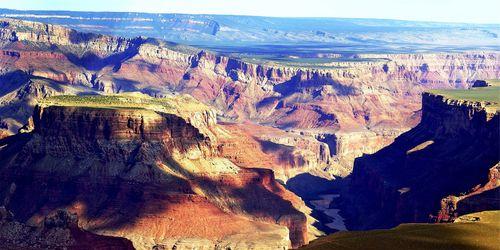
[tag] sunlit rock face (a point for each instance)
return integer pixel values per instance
(445, 167)
(157, 179)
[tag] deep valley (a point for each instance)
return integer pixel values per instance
(136, 142)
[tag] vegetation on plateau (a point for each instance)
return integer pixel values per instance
(172, 104)
(490, 95)
(474, 231)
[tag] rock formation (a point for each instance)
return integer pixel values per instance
(148, 170)
(287, 154)
(444, 167)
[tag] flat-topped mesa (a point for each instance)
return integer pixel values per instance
(180, 122)
(479, 102)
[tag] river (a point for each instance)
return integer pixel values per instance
(323, 205)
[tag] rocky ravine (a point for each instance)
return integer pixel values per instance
(349, 107)
(155, 178)
(444, 167)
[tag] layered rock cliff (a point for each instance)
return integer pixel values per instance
(150, 173)
(17, 30)
(452, 152)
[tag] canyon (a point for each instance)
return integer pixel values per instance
(157, 145)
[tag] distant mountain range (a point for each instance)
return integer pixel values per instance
(254, 35)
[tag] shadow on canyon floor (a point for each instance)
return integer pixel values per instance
(13, 80)
(284, 153)
(309, 186)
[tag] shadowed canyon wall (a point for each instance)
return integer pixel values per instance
(452, 152)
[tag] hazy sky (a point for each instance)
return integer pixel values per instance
(474, 11)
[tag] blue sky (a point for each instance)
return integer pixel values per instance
(472, 11)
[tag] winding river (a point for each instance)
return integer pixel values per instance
(323, 205)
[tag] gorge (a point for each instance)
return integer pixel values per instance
(147, 144)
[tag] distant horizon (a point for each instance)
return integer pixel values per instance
(250, 15)
(432, 11)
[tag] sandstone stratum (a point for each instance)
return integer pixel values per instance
(146, 169)
(332, 114)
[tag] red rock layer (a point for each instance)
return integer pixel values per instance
(355, 95)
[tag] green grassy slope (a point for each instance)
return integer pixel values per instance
(174, 104)
(483, 234)
(490, 94)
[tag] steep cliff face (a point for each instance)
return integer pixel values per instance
(299, 98)
(450, 152)
(155, 178)
(179, 137)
